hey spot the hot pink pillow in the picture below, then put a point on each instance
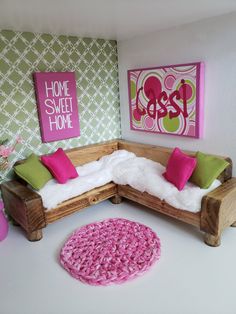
(60, 166)
(179, 168)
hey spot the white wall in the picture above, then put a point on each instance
(212, 41)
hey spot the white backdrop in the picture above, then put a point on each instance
(212, 41)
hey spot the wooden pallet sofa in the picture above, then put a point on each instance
(218, 208)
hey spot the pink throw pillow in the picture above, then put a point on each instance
(60, 166)
(179, 168)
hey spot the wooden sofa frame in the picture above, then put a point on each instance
(218, 208)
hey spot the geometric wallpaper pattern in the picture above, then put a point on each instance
(95, 64)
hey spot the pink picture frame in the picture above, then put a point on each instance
(57, 105)
(167, 99)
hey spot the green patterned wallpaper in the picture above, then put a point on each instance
(96, 66)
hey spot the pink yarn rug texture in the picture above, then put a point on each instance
(111, 251)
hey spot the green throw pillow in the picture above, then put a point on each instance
(33, 172)
(207, 170)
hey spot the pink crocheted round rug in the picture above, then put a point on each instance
(111, 251)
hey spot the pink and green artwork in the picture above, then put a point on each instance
(167, 99)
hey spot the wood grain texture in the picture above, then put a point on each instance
(161, 154)
(218, 209)
(77, 203)
(23, 205)
(211, 240)
(82, 155)
(35, 235)
(12, 220)
(155, 203)
(85, 154)
(116, 199)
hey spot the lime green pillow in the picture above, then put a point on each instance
(207, 170)
(33, 172)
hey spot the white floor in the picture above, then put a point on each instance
(190, 277)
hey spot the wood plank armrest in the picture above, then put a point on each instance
(218, 209)
(23, 205)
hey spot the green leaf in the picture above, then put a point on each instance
(5, 141)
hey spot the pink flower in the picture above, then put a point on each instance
(5, 151)
(19, 139)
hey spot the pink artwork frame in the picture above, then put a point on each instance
(57, 105)
(167, 99)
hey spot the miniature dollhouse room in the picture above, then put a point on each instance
(117, 157)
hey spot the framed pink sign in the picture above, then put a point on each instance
(57, 105)
(167, 99)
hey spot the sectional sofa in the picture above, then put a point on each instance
(218, 208)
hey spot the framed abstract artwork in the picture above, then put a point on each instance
(167, 99)
(57, 105)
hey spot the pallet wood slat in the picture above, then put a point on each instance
(158, 205)
(218, 209)
(77, 203)
(161, 154)
(82, 155)
(24, 206)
